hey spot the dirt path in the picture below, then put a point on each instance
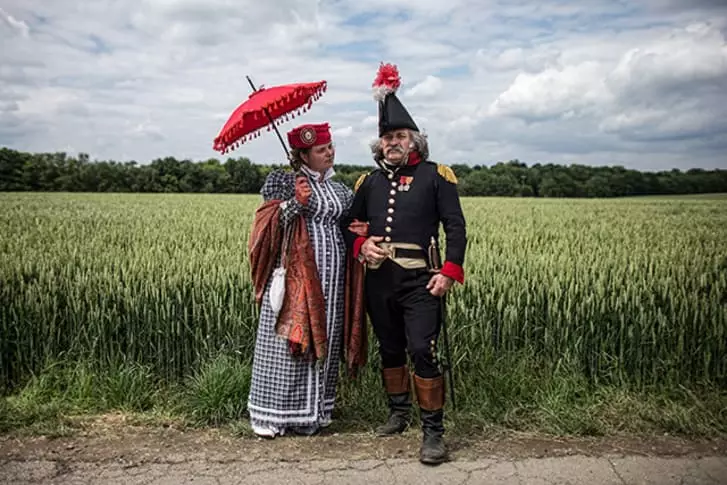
(139, 455)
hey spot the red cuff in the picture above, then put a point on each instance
(454, 271)
(357, 246)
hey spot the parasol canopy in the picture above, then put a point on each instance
(266, 107)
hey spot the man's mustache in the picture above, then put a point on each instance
(395, 149)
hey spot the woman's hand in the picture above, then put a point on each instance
(302, 190)
(359, 228)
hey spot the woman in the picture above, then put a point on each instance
(295, 365)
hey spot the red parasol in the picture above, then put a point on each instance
(266, 107)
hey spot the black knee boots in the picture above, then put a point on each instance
(430, 394)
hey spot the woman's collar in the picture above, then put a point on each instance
(317, 175)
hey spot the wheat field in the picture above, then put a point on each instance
(625, 292)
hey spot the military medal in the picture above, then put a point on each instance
(405, 183)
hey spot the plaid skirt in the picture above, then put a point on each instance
(286, 391)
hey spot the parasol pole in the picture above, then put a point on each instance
(289, 230)
(272, 122)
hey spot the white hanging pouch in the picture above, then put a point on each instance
(277, 289)
(277, 286)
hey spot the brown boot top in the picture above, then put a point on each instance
(397, 380)
(430, 392)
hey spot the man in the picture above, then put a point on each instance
(404, 201)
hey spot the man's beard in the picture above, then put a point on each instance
(404, 156)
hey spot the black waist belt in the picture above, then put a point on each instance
(409, 253)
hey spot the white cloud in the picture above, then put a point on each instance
(9, 106)
(15, 24)
(686, 58)
(554, 92)
(429, 87)
(661, 123)
(516, 58)
(369, 121)
(344, 132)
(666, 89)
(603, 82)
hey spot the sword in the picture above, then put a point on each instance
(436, 268)
(448, 367)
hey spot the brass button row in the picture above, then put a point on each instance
(392, 201)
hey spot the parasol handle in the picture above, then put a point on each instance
(270, 118)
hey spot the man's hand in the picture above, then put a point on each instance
(302, 190)
(371, 252)
(359, 228)
(439, 284)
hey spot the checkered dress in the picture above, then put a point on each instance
(286, 392)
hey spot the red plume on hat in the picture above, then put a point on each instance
(387, 81)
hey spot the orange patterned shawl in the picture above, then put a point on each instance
(355, 338)
(302, 319)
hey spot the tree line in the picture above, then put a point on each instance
(54, 172)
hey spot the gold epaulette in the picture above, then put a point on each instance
(447, 173)
(359, 182)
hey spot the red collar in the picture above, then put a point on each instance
(414, 158)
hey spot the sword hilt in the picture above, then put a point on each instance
(435, 261)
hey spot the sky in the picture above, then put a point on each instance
(642, 84)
